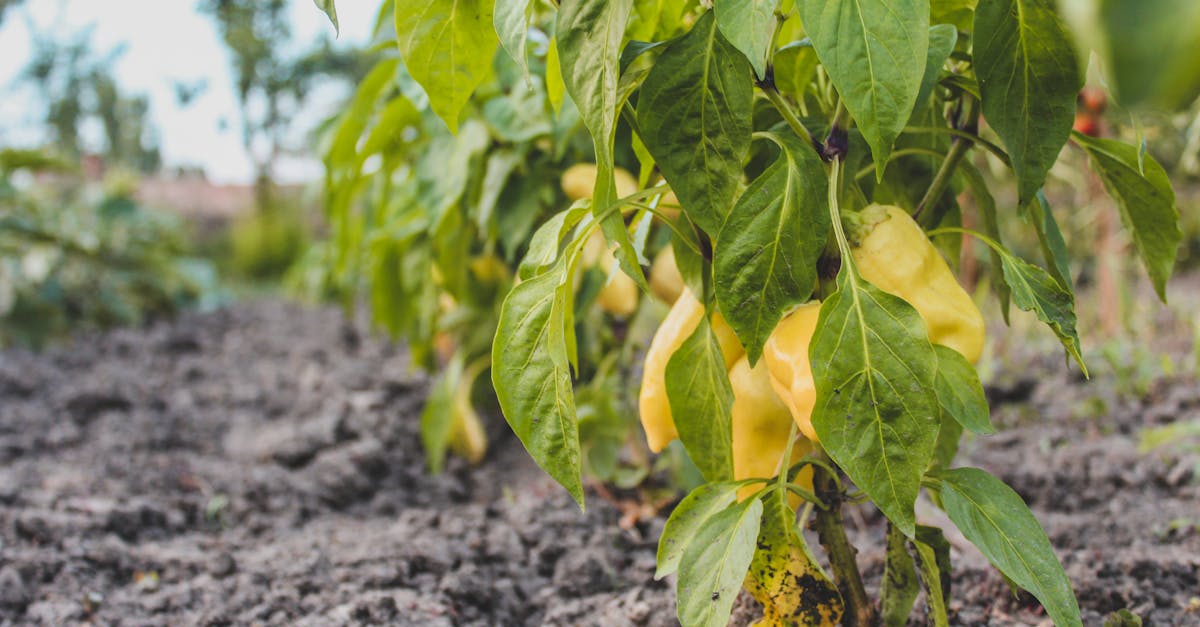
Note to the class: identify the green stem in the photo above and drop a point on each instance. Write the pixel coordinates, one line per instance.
(788, 114)
(903, 152)
(977, 140)
(831, 531)
(958, 149)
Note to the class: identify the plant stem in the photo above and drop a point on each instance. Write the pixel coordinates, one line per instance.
(860, 611)
(788, 114)
(958, 149)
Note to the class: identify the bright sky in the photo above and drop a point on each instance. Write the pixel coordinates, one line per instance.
(167, 41)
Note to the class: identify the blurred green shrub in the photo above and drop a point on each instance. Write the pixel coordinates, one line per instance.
(264, 244)
(74, 257)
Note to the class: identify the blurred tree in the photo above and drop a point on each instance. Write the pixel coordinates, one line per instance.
(78, 87)
(272, 85)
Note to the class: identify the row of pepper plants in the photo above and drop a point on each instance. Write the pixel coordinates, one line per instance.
(799, 175)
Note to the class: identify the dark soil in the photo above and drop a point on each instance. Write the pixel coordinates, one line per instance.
(261, 465)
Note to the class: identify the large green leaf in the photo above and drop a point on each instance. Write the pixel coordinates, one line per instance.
(997, 521)
(766, 254)
(701, 400)
(875, 52)
(589, 35)
(511, 19)
(1028, 79)
(695, 115)
(714, 565)
(1033, 289)
(688, 518)
(447, 46)
(960, 394)
(1146, 202)
(532, 376)
(749, 25)
(876, 411)
(899, 588)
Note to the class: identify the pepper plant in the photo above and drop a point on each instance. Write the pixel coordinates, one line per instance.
(807, 163)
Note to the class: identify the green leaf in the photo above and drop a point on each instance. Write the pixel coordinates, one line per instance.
(933, 560)
(795, 67)
(437, 417)
(875, 52)
(327, 7)
(1050, 237)
(946, 448)
(942, 38)
(447, 46)
(695, 114)
(1146, 203)
(532, 376)
(701, 400)
(500, 166)
(960, 394)
(749, 25)
(511, 20)
(766, 255)
(956, 12)
(714, 565)
(1028, 79)
(986, 203)
(1033, 289)
(555, 89)
(899, 588)
(544, 246)
(688, 518)
(589, 36)
(997, 521)
(876, 410)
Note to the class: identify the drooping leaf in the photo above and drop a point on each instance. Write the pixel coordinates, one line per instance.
(695, 115)
(589, 35)
(942, 38)
(784, 575)
(544, 246)
(688, 518)
(714, 565)
(1050, 237)
(532, 376)
(437, 417)
(795, 67)
(876, 410)
(997, 521)
(749, 25)
(511, 20)
(701, 400)
(1146, 203)
(447, 46)
(1033, 289)
(555, 89)
(330, 10)
(1028, 79)
(875, 52)
(766, 255)
(933, 560)
(960, 394)
(899, 588)
(986, 203)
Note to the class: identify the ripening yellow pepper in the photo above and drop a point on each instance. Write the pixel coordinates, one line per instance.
(619, 296)
(579, 181)
(467, 436)
(761, 426)
(653, 406)
(665, 280)
(896, 256)
(786, 356)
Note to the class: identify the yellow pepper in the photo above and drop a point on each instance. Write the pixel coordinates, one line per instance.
(579, 181)
(653, 406)
(786, 357)
(665, 280)
(619, 296)
(897, 257)
(761, 426)
(467, 436)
